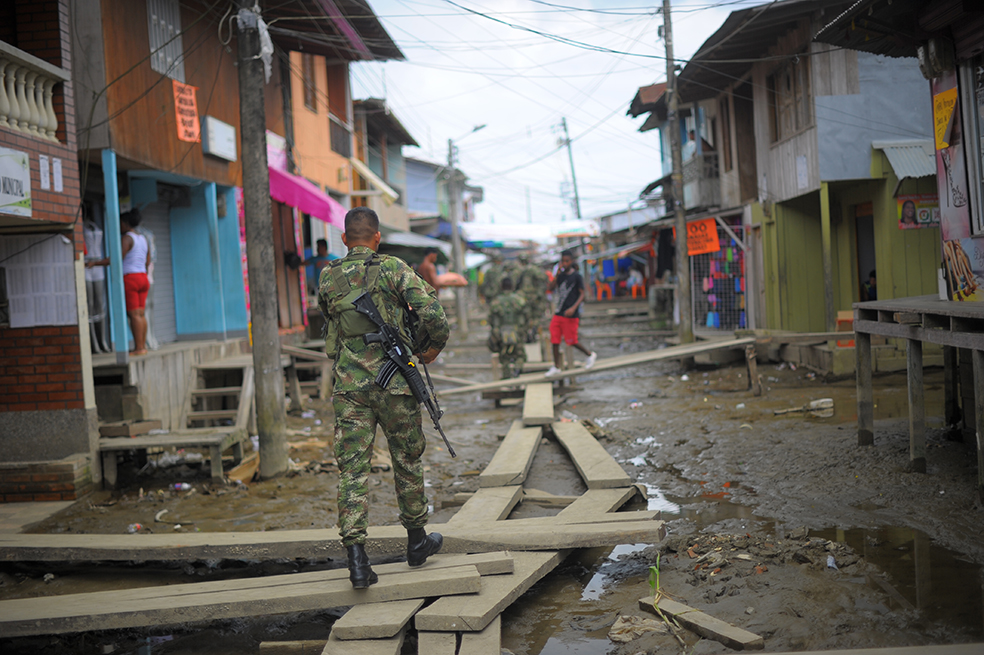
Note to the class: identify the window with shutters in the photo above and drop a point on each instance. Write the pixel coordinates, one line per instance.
(790, 100)
(310, 84)
(166, 49)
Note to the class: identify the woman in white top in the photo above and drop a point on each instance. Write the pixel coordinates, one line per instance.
(136, 259)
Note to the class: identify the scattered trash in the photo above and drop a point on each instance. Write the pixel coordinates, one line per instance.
(307, 414)
(740, 406)
(781, 366)
(317, 421)
(811, 375)
(831, 562)
(635, 404)
(48, 577)
(482, 421)
(158, 518)
(685, 377)
(819, 408)
(177, 526)
(627, 628)
(749, 610)
(180, 486)
(745, 426)
(134, 527)
(792, 366)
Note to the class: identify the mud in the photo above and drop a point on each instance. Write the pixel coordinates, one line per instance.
(776, 494)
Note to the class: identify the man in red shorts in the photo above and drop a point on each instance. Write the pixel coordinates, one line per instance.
(568, 290)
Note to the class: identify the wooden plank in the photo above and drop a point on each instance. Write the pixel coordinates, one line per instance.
(245, 471)
(538, 407)
(437, 643)
(204, 438)
(246, 398)
(489, 504)
(957, 339)
(598, 469)
(486, 642)
(614, 363)
(917, 407)
(294, 388)
(908, 318)
(217, 391)
(513, 458)
(866, 404)
(437, 377)
(303, 647)
(533, 352)
(212, 413)
(109, 610)
(951, 405)
(476, 612)
(390, 646)
(463, 537)
(705, 625)
(532, 496)
(128, 428)
(597, 501)
(376, 620)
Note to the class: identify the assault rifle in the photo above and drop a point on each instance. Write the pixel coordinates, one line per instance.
(398, 359)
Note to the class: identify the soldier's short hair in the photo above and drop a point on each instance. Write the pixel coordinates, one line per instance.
(507, 284)
(361, 223)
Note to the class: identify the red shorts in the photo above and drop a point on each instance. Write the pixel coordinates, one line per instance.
(563, 327)
(136, 286)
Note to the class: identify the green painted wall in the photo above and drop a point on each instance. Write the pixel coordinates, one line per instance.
(797, 271)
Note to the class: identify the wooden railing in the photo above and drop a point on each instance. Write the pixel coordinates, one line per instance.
(701, 181)
(26, 88)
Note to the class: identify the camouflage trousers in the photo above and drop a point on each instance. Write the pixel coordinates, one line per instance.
(512, 357)
(356, 415)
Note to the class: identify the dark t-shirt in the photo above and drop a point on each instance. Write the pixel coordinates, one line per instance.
(567, 291)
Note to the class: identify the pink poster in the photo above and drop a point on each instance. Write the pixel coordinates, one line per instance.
(241, 213)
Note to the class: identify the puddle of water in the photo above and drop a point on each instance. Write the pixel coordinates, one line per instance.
(596, 585)
(922, 575)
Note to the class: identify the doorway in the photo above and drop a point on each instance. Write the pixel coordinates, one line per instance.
(864, 220)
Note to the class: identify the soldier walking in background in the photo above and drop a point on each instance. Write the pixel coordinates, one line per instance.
(360, 404)
(509, 323)
(532, 283)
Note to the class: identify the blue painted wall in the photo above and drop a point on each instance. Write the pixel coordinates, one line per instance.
(894, 104)
(199, 299)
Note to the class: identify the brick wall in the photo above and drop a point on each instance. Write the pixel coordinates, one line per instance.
(65, 479)
(42, 369)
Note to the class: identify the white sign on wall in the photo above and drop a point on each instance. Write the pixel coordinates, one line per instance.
(15, 182)
(218, 139)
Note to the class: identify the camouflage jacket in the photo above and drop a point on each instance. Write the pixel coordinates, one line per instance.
(357, 363)
(532, 283)
(509, 317)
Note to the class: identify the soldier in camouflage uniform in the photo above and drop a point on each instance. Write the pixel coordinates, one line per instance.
(532, 283)
(509, 322)
(360, 404)
(492, 280)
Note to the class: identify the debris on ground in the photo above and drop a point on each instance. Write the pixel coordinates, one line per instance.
(628, 628)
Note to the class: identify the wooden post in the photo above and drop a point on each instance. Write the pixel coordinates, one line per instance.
(828, 261)
(326, 380)
(294, 386)
(917, 407)
(754, 382)
(496, 367)
(951, 405)
(866, 417)
(979, 406)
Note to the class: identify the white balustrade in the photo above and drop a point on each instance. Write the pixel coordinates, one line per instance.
(26, 90)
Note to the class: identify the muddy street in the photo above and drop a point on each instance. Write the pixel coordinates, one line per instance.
(780, 525)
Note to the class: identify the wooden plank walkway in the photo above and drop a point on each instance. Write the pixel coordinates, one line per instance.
(538, 407)
(376, 620)
(512, 460)
(596, 466)
(705, 625)
(614, 363)
(109, 610)
(490, 504)
(391, 646)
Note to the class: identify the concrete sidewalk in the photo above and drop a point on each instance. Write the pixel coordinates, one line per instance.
(14, 517)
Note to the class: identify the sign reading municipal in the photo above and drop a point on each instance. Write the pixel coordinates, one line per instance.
(15, 182)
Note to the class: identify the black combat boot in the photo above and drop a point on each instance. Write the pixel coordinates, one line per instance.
(421, 545)
(360, 573)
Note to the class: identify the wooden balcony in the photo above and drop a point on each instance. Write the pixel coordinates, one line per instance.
(26, 87)
(701, 181)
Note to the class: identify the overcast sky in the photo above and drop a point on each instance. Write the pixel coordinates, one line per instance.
(465, 69)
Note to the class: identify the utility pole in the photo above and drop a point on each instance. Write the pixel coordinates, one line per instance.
(454, 197)
(269, 375)
(682, 258)
(570, 156)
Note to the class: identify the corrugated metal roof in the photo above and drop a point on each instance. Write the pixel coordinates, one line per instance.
(911, 158)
